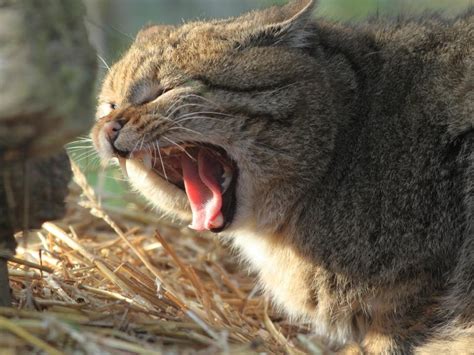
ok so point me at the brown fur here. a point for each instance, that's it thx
(355, 153)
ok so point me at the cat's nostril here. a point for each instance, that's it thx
(112, 129)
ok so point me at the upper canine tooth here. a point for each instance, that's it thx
(147, 161)
(123, 166)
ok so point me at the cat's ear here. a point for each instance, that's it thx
(283, 26)
(153, 30)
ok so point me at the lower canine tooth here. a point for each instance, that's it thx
(217, 222)
(227, 178)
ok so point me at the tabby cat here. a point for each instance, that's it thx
(337, 159)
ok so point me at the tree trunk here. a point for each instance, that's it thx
(47, 74)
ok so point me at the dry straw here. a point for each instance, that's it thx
(121, 281)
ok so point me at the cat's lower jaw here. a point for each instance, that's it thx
(165, 196)
(282, 273)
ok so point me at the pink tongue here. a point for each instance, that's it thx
(203, 190)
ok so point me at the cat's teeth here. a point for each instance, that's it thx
(147, 161)
(226, 179)
(123, 166)
(217, 222)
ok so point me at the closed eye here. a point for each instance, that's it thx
(160, 91)
(144, 92)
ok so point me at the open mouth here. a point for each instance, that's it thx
(206, 174)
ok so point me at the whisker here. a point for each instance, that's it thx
(196, 116)
(103, 61)
(105, 29)
(161, 160)
(83, 140)
(90, 166)
(133, 149)
(180, 147)
(199, 118)
(174, 104)
(185, 129)
(81, 154)
(139, 142)
(142, 142)
(180, 100)
(183, 106)
(206, 113)
(166, 119)
(77, 149)
(88, 163)
(204, 99)
(84, 136)
(79, 144)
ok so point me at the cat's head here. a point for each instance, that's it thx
(224, 111)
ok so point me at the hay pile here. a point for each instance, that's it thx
(115, 280)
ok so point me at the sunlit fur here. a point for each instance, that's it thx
(354, 149)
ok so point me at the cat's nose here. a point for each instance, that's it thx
(111, 130)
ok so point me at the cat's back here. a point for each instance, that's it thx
(405, 160)
(428, 69)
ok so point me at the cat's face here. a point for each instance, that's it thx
(210, 118)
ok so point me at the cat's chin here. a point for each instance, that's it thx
(196, 184)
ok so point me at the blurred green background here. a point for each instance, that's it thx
(112, 25)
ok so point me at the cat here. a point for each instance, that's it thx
(336, 158)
